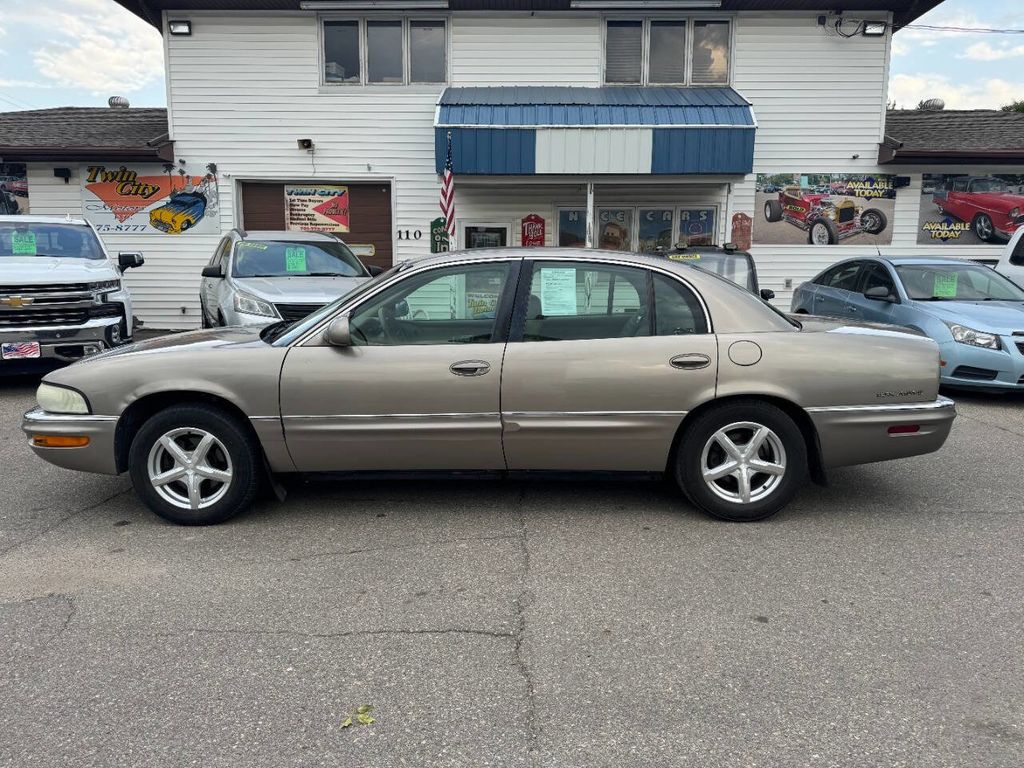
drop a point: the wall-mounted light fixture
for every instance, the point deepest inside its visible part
(874, 28)
(181, 27)
(306, 144)
(62, 173)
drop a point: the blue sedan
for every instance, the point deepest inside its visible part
(974, 314)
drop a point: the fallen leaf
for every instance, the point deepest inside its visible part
(347, 722)
(364, 719)
(365, 708)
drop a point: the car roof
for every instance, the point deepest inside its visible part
(927, 261)
(35, 219)
(296, 235)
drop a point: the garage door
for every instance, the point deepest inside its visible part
(369, 215)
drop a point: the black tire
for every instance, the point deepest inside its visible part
(242, 454)
(873, 221)
(773, 210)
(984, 229)
(829, 227)
(689, 460)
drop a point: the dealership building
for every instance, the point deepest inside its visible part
(625, 124)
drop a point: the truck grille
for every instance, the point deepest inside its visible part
(31, 290)
(296, 311)
(42, 317)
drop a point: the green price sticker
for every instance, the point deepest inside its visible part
(945, 286)
(295, 259)
(23, 243)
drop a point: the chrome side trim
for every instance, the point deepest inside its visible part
(563, 414)
(39, 416)
(366, 416)
(939, 404)
(264, 418)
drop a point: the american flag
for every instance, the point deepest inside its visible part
(20, 350)
(448, 191)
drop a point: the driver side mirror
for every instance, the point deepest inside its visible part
(767, 294)
(880, 293)
(338, 333)
(130, 260)
(213, 270)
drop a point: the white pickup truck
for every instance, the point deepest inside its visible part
(61, 295)
(1011, 261)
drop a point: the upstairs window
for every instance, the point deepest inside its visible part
(667, 52)
(385, 51)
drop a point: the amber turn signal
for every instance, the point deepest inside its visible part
(60, 441)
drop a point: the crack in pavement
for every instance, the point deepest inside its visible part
(63, 520)
(329, 635)
(399, 547)
(976, 420)
(521, 602)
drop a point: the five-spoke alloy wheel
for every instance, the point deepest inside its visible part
(741, 461)
(195, 464)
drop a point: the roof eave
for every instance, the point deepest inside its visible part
(892, 156)
(20, 154)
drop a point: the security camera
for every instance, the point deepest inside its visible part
(306, 144)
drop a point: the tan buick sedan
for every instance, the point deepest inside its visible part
(503, 361)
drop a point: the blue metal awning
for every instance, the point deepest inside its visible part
(567, 130)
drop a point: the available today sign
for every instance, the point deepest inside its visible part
(149, 199)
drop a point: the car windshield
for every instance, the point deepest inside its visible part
(293, 330)
(299, 258)
(736, 267)
(988, 185)
(956, 282)
(68, 241)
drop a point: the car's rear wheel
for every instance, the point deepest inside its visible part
(773, 210)
(741, 461)
(195, 465)
(822, 232)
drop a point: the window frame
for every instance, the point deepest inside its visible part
(463, 224)
(645, 48)
(637, 207)
(364, 49)
(517, 321)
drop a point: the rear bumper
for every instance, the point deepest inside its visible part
(859, 434)
(65, 343)
(97, 456)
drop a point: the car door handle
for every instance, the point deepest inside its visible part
(692, 361)
(470, 368)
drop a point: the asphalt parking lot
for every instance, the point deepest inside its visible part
(876, 622)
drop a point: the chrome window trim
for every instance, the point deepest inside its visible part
(939, 404)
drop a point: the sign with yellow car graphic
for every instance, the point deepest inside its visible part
(149, 199)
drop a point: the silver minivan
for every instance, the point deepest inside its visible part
(257, 278)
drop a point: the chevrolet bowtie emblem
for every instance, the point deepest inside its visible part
(16, 301)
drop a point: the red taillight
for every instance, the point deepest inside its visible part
(904, 429)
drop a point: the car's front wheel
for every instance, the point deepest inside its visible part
(741, 461)
(195, 465)
(984, 229)
(822, 232)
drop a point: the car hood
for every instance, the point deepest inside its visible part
(1002, 317)
(298, 290)
(195, 341)
(42, 270)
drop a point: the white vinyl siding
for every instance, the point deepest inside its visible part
(594, 150)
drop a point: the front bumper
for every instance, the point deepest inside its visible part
(97, 456)
(65, 343)
(967, 366)
(859, 434)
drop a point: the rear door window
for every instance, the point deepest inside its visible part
(842, 277)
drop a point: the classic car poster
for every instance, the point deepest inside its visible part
(316, 207)
(970, 208)
(824, 209)
(145, 199)
(13, 189)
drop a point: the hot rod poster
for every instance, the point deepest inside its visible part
(824, 209)
(145, 199)
(970, 208)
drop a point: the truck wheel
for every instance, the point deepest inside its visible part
(822, 232)
(873, 221)
(983, 228)
(773, 210)
(742, 461)
(195, 465)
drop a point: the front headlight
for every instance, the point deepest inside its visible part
(250, 305)
(1015, 213)
(100, 290)
(60, 399)
(965, 335)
